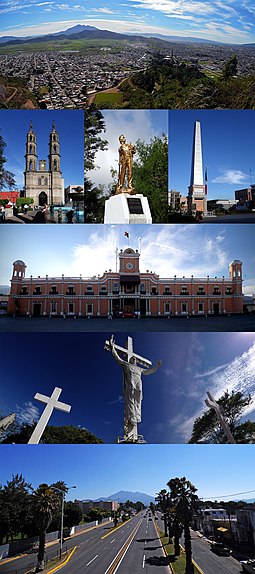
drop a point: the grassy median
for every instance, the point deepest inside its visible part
(177, 563)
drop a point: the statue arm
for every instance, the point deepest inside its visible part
(114, 352)
(153, 369)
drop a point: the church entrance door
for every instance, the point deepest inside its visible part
(43, 198)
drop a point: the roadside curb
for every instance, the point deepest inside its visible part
(165, 552)
(63, 563)
(114, 529)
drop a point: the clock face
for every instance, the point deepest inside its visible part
(129, 266)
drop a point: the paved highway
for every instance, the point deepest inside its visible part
(209, 562)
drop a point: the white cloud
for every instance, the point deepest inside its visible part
(232, 176)
(27, 413)
(237, 376)
(177, 247)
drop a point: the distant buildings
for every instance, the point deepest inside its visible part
(86, 505)
(246, 197)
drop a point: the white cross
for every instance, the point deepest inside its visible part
(51, 404)
(211, 403)
(129, 352)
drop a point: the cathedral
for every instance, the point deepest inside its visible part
(44, 186)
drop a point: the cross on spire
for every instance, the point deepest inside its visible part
(52, 403)
(129, 353)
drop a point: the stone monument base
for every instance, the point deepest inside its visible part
(126, 208)
(138, 439)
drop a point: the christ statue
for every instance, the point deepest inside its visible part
(132, 390)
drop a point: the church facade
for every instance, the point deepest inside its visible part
(126, 291)
(44, 184)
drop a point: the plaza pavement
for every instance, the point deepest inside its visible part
(233, 323)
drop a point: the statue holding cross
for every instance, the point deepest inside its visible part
(132, 384)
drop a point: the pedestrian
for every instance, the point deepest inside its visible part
(3, 213)
(60, 215)
(69, 216)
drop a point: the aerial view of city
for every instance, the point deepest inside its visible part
(119, 61)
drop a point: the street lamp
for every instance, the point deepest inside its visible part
(67, 488)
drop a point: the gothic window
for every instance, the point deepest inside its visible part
(55, 165)
(39, 181)
(30, 165)
(54, 138)
(55, 149)
(31, 149)
(45, 181)
(31, 138)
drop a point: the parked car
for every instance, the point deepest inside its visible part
(220, 549)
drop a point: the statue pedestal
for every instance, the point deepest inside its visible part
(138, 439)
(126, 208)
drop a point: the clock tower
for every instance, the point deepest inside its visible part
(129, 262)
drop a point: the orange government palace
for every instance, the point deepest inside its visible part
(126, 292)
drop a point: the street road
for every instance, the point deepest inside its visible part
(209, 562)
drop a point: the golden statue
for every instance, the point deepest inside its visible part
(126, 152)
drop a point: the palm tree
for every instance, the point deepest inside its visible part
(182, 495)
(45, 502)
(163, 499)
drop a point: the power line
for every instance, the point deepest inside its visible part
(226, 495)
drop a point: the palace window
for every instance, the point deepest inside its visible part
(184, 290)
(184, 308)
(154, 291)
(200, 307)
(53, 290)
(216, 290)
(89, 308)
(116, 287)
(37, 291)
(168, 307)
(200, 290)
(229, 291)
(24, 291)
(53, 307)
(70, 290)
(142, 288)
(167, 291)
(70, 307)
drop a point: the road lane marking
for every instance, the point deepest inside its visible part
(194, 562)
(113, 530)
(112, 541)
(119, 557)
(143, 561)
(92, 560)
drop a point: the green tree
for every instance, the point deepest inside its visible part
(45, 501)
(230, 68)
(150, 175)
(207, 428)
(6, 177)
(52, 435)
(94, 126)
(72, 514)
(14, 502)
(184, 498)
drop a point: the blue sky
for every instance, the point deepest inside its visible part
(91, 381)
(227, 146)
(101, 470)
(134, 124)
(14, 125)
(231, 21)
(169, 250)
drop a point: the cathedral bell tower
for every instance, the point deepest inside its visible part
(31, 156)
(54, 151)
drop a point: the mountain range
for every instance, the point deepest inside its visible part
(124, 495)
(91, 32)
